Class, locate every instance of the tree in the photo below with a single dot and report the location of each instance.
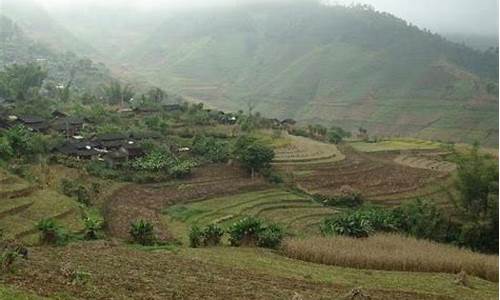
(254, 155)
(157, 95)
(21, 82)
(116, 93)
(477, 182)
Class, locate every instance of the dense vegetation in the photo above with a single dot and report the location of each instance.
(473, 223)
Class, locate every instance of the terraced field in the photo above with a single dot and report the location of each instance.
(382, 177)
(22, 205)
(422, 162)
(304, 150)
(296, 212)
(395, 145)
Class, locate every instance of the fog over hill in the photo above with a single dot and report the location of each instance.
(345, 65)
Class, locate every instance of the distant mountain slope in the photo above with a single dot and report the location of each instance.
(17, 47)
(349, 66)
(35, 21)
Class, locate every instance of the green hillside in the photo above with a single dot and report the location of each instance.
(62, 66)
(351, 66)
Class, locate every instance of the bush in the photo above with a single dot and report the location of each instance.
(142, 232)
(74, 189)
(251, 231)
(348, 224)
(211, 149)
(181, 168)
(245, 232)
(195, 237)
(7, 259)
(272, 176)
(210, 236)
(50, 232)
(92, 227)
(271, 236)
(345, 196)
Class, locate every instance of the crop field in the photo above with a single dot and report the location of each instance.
(381, 177)
(304, 150)
(298, 213)
(133, 201)
(422, 162)
(22, 205)
(392, 252)
(395, 145)
(215, 273)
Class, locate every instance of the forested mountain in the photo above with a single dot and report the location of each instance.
(347, 66)
(351, 66)
(63, 67)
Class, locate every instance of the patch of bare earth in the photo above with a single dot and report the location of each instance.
(110, 271)
(146, 201)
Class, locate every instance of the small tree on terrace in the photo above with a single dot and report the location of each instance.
(254, 155)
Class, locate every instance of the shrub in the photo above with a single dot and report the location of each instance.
(7, 259)
(271, 236)
(74, 189)
(50, 232)
(212, 235)
(251, 231)
(142, 232)
(92, 227)
(349, 224)
(272, 176)
(181, 168)
(245, 231)
(211, 149)
(345, 196)
(195, 237)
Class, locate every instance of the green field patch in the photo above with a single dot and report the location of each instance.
(394, 145)
(273, 205)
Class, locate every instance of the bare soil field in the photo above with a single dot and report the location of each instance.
(133, 202)
(376, 175)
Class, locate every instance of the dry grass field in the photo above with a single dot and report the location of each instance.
(304, 150)
(392, 252)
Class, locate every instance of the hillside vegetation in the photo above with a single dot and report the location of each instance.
(351, 66)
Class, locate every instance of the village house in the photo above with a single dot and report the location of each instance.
(69, 126)
(80, 149)
(33, 123)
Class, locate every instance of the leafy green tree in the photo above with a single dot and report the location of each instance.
(477, 182)
(6, 151)
(21, 82)
(254, 155)
(157, 95)
(117, 93)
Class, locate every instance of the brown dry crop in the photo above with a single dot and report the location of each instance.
(392, 252)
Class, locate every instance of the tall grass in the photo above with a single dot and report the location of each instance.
(392, 252)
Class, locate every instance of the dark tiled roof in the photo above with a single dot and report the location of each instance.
(145, 135)
(30, 119)
(111, 137)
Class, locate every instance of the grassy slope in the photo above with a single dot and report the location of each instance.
(270, 262)
(25, 205)
(404, 87)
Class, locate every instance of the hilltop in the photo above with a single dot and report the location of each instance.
(350, 66)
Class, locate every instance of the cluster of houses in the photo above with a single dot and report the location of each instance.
(114, 148)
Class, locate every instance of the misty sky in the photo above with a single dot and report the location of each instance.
(442, 16)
